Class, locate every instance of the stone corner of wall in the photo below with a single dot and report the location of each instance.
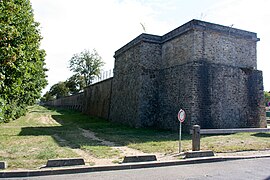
(228, 30)
(141, 38)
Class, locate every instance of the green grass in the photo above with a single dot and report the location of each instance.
(30, 141)
(29, 151)
(158, 141)
(236, 142)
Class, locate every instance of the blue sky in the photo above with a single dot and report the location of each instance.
(69, 26)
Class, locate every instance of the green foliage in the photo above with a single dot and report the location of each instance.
(47, 97)
(75, 84)
(86, 64)
(59, 90)
(266, 97)
(2, 105)
(22, 72)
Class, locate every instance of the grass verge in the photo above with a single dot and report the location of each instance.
(30, 141)
(43, 134)
(158, 141)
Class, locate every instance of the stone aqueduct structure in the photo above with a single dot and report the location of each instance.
(206, 69)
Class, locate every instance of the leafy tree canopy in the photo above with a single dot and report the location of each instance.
(59, 90)
(86, 64)
(22, 72)
(72, 85)
(75, 84)
(267, 97)
(47, 97)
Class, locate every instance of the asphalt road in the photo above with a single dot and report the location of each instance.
(249, 169)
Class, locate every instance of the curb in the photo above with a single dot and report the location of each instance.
(87, 169)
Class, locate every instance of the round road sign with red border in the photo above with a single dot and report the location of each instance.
(181, 115)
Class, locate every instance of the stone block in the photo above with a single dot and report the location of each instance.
(145, 158)
(196, 154)
(196, 138)
(3, 165)
(65, 162)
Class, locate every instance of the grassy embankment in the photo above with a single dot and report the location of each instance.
(45, 134)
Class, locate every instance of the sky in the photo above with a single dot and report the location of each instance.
(68, 27)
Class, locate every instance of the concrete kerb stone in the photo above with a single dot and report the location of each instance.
(144, 158)
(64, 162)
(3, 165)
(87, 169)
(196, 154)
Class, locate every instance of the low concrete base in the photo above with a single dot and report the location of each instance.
(196, 154)
(3, 165)
(145, 158)
(64, 162)
(115, 167)
(232, 131)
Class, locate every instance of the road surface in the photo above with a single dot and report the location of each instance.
(249, 169)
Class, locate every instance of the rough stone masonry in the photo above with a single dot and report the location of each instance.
(208, 70)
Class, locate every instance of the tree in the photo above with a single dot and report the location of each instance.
(47, 97)
(266, 97)
(22, 72)
(86, 64)
(72, 85)
(59, 90)
(75, 84)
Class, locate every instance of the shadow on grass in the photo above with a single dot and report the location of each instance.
(261, 135)
(69, 134)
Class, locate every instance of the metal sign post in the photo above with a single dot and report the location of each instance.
(180, 132)
(181, 117)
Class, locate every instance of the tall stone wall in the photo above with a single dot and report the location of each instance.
(94, 101)
(175, 92)
(97, 99)
(70, 102)
(135, 90)
(126, 88)
(206, 69)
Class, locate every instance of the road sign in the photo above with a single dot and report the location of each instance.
(181, 115)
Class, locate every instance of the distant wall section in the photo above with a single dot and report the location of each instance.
(97, 99)
(94, 101)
